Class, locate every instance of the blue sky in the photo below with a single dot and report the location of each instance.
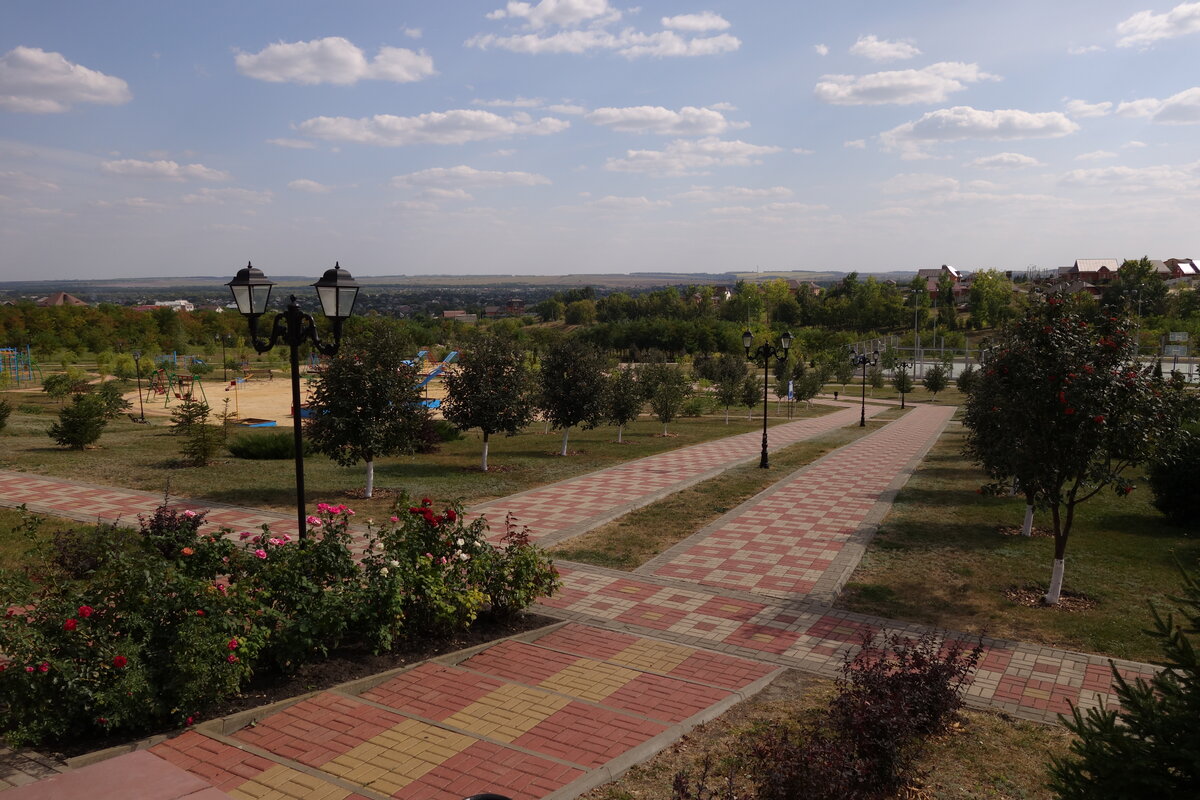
(150, 138)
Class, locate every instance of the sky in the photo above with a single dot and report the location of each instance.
(144, 138)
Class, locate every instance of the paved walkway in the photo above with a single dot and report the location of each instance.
(642, 657)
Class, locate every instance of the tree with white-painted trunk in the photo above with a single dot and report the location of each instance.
(571, 384)
(1063, 406)
(666, 389)
(491, 388)
(365, 402)
(623, 399)
(731, 372)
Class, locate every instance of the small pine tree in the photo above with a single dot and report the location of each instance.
(967, 379)
(80, 423)
(935, 379)
(112, 399)
(1151, 747)
(187, 415)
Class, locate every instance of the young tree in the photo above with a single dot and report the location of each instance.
(113, 400)
(967, 379)
(935, 379)
(729, 375)
(1151, 746)
(572, 386)
(1065, 409)
(200, 440)
(623, 399)
(902, 382)
(751, 395)
(875, 377)
(365, 402)
(667, 389)
(490, 389)
(80, 423)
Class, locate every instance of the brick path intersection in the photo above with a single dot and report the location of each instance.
(640, 657)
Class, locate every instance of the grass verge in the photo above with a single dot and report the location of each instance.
(640, 535)
(941, 558)
(15, 537)
(986, 755)
(147, 457)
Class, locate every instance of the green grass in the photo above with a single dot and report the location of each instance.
(17, 537)
(940, 559)
(640, 535)
(950, 396)
(147, 457)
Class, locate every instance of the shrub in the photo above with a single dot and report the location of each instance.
(200, 440)
(696, 406)
(266, 446)
(112, 399)
(80, 423)
(1171, 480)
(446, 431)
(29, 408)
(5, 410)
(967, 379)
(77, 555)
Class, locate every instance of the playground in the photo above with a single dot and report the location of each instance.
(259, 396)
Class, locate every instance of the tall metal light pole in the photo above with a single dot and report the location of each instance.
(861, 360)
(765, 352)
(337, 291)
(916, 295)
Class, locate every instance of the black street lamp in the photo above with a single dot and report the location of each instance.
(337, 291)
(903, 366)
(137, 365)
(764, 353)
(863, 361)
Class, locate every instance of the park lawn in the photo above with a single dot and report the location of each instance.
(632, 540)
(850, 392)
(19, 532)
(940, 559)
(146, 457)
(986, 755)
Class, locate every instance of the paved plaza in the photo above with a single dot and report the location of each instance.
(638, 659)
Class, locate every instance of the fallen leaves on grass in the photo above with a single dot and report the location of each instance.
(1031, 597)
(1015, 530)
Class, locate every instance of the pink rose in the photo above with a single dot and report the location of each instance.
(260, 553)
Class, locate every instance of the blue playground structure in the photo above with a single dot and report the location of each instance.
(17, 365)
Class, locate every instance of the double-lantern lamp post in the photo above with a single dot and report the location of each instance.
(337, 291)
(864, 361)
(764, 353)
(903, 366)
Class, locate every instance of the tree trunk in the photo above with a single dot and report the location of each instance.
(485, 450)
(726, 415)
(1027, 526)
(1056, 581)
(1062, 529)
(370, 477)
(564, 447)
(620, 433)
(664, 429)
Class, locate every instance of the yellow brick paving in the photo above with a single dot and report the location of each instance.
(395, 758)
(652, 656)
(590, 680)
(507, 713)
(284, 783)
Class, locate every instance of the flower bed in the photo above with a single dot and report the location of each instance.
(114, 632)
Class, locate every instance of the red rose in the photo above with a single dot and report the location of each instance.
(187, 551)
(232, 659)
(189, 720)
(199, 612)
(233, 644)
(451, 514)
(69, 625)
(1098, 418)
(43, 667)
(120, 661)
(85, 611)
(1068, 411)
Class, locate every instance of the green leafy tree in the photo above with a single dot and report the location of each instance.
(729, 375)
(623, 399)
(991, 298)
(572, 387)
(751, 395)
(490, 389)
(667, 389)
(80, 423)
(580, 312)
(1137, 287)
(365, 402)
(967, 379)
(550, 310)
(935, 379)
(1065, 409)
(60, 385)
(875, 377)
(902, 382)
(1150, 747)
(1171, 479)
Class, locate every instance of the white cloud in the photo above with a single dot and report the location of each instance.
(167, 170)
(687, 121)
(918, 183)
(228, 196)
(803, 151)
(1134, 143)
(614, 203)
(1095, 155)
(567, 108)
(294, 144)
(24, 182)
(437, 127)
(464, 176)
(1082, 110)
(877, 49)
(821, 49)
(557, 12)
(1178, 109)
(413, 33)
(690, 157)
(504, 152)
(963, 122)
(435, 194)
(332, 60)
(1157, 178)
(305, 185)
(1084, 50)
(516, 102)
(696, 23)
(1146, 27)
(732, 194)
(932, 84)
(35, 81)
(1006, 161)
(855, 144)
